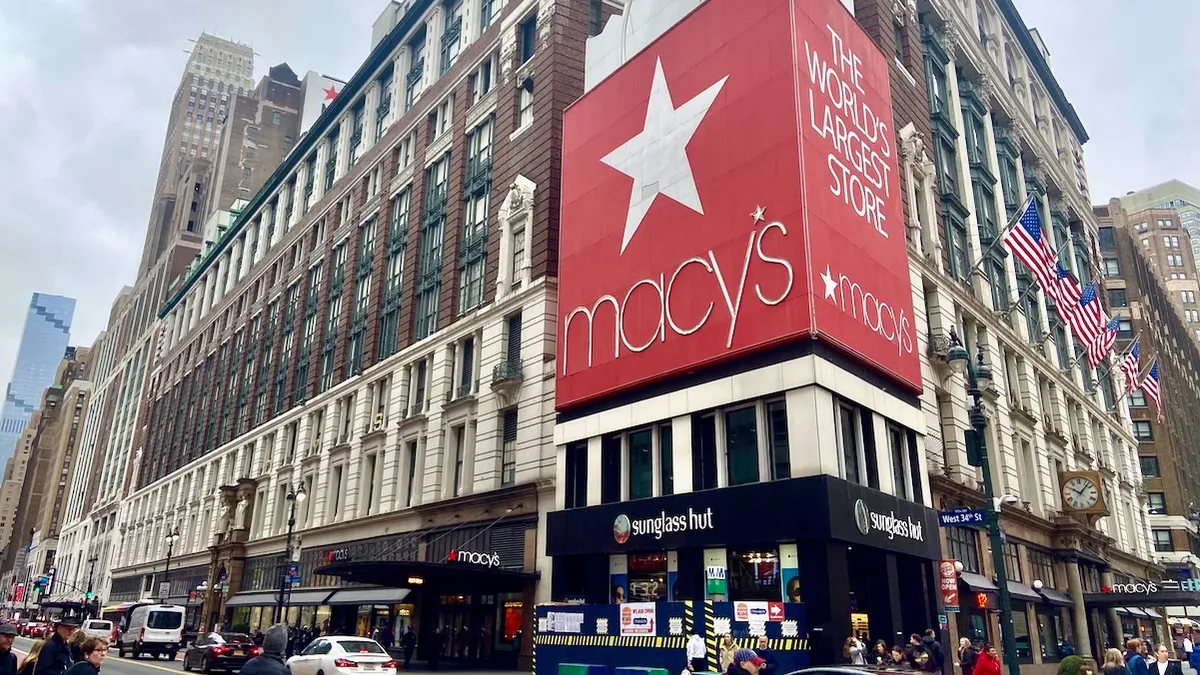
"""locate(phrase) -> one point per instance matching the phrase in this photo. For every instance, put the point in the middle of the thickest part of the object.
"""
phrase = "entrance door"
(467, 625)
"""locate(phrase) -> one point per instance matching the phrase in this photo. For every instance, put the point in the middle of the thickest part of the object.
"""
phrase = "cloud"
(85, 91)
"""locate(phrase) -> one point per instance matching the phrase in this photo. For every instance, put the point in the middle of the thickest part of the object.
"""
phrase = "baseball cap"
(744, 655)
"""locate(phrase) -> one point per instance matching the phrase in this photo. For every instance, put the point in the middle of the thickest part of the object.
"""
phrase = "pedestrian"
(988, 662)
(1163, 664)
(695, 654)
(8, 660)
(967, 654)
(433, 649)
(879, 654)
(270, 661)
(897, 659)
(75, 644)
(27, 666)
(1135, 657)
(93, 651)
(408, 642)
(1187, 648)
(1114, 663)
(56, 655)
(728, 649)
(770, 663)
(937, 656)
(853, 650)
(745, 662)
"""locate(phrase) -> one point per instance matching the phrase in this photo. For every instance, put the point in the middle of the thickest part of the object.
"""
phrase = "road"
(115, 665)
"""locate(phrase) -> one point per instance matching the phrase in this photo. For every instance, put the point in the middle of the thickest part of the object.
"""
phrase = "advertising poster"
(948, 583)
(750, 611)
(619, 584)
(637, 618)
(790, 578)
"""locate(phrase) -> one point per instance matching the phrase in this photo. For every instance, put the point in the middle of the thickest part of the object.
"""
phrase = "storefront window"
(1012, 562)
(647, 577)
(754, 575)
(1042, 566)
(741, 445)
(704, 451)
(1021, 632)
(1048, 634)
(641, 465)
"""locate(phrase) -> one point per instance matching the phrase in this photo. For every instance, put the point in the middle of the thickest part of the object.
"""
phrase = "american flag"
(1027, 241)
(1130, 366)
(1151, 390)
(1102, 346)
(1085, 317)
(1065, 290)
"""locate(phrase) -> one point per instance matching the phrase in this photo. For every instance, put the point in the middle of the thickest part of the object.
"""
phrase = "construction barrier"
(600, 639)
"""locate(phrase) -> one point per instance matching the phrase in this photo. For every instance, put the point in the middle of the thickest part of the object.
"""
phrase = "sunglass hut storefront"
(860, 562)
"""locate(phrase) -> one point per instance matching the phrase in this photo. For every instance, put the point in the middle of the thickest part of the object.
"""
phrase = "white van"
(153, 629)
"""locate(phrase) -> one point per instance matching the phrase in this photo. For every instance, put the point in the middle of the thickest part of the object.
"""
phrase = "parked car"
(100, 628)
(35, 629)
(342, 655)
(153, 629)
(220, 651)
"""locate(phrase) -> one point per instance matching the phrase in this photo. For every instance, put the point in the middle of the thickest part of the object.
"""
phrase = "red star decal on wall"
(330, 93)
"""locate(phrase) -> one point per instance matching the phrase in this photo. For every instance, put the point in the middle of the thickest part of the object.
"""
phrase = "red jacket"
(986, 665)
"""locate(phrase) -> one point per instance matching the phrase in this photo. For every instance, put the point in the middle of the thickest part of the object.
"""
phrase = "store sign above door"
(474, 557)
(338, 555)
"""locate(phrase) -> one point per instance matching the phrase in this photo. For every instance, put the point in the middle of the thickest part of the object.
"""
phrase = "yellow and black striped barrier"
(711, 651)
(643, 641)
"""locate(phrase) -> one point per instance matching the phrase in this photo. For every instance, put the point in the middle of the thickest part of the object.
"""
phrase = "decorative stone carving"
(520, 197)
(904, 11)
(985, 89)
(950, 38)
(912, 144)
(240, 518)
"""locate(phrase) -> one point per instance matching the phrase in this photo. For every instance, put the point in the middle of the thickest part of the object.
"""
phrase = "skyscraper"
(43, 343)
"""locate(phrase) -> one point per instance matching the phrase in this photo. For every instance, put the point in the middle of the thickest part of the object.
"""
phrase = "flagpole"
(1028, 289)
(1137, 381)
(1000, 237)
(1124, 352)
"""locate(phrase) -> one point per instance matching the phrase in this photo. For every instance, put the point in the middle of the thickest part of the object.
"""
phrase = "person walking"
(854, 651)
(696, 653)
(1135, 657)
(770, 663)
(728, 649)
(932, 647)
(408, 642)
(967, 654)
(56, 654)
(8, 660)
(93, 652)
(988, 662)
(745, 662)
(30, 662)
(1163, 664)
(270, 661)
(1114, 663)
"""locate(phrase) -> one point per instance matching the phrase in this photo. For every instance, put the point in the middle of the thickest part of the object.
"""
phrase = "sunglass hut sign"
(886, 524)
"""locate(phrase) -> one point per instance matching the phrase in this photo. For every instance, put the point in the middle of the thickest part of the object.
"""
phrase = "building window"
(1142, 430)
(389, 317)
(1157, 502)
(416, 72)
(1117, 298)
(901, 471)
(333, 318)
(1108, 242)
(577, 475)
(1112, 268)
(527, 38)
(1149, 464)
(452, 35)
(901, 46)
(998, 281)
(246, 173)
(1042, 566)
(666, 463)
(1188, 297)
(1137, 399)
(1012, 562)
(777, 440)
(1162, 540)
(429, 272)
(362, 297)
(508, 457)
(610, 469)
(704, 451)
(647, 577)
(477, 186)
(276, 118)
(309, 335)
(959, 256)
(488, 10)
(641, 465)
(963, 547)
(1124, 329)
(741, 445)
(754, 575)
(525, 103)
(856, 445)
(518, 256)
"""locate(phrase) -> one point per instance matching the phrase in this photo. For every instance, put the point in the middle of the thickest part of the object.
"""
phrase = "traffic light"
(89, 596)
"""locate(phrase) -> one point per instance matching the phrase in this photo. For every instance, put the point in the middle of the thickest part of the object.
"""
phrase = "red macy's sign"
(731, 188)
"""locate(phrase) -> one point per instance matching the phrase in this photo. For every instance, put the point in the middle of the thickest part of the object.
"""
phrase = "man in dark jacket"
(56, 655)
(937, 656)
(271, 661)
(1135, 657)
(8, 660)
(764, 652)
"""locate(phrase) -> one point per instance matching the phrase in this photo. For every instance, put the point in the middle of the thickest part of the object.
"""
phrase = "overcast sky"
(86, 85)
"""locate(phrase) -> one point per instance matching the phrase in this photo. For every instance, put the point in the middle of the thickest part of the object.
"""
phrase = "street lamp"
(979, 378)
(171, 538)
(294, 496)
(87, 614)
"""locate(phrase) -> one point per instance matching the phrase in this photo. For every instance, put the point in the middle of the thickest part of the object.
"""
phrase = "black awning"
(1151, 613)
(1056, 597)
(312, 597)
(253, 600)
(368, 596)
(451, 578)
(978, 582)
(1019, 591)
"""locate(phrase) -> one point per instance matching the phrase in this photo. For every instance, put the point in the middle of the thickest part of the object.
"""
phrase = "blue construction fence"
(654, 635)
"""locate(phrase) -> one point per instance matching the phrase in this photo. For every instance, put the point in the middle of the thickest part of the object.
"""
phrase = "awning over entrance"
(1020, 591)
(1056, 597)
(368, 596)
(457, 578)
(1151, 613)
(181, 600)
(978, 582)
(302, 598)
